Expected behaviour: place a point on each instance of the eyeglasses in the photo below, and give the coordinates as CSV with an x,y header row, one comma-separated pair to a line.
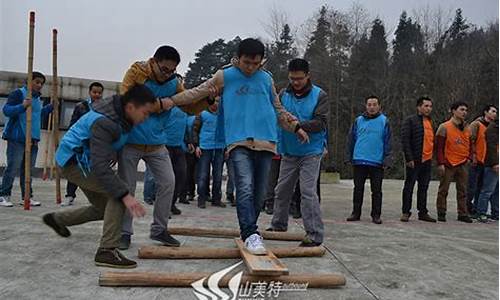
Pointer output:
x,y
165,70
296,78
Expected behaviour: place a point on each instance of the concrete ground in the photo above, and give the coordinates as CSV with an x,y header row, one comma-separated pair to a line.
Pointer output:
x,y
395,260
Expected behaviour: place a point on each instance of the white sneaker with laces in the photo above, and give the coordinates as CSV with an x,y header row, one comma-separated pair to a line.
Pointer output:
x,y
255,245
5,201
32,202
68,201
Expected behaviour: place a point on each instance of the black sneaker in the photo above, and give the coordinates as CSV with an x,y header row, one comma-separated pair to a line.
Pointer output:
x,y
376,220
166,239
183,200
441,217
275,229
190,197
124,242
465,219
309,243
175,210
112,258
202,205
61,230
353,218
218,204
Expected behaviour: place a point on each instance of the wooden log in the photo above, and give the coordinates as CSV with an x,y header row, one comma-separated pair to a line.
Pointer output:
x,y
261,265
232,233
153,279
45,174
55,102
27,132
161,252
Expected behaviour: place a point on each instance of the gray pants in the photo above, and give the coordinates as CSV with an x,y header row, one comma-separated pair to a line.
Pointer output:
x,y
158,162
292,168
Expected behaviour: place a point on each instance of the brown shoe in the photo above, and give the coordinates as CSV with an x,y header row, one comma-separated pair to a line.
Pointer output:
x,y
426,218
112,258
405,217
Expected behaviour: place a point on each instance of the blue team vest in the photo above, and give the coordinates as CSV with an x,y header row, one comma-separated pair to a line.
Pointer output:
x,y
175,127
208,139
369,146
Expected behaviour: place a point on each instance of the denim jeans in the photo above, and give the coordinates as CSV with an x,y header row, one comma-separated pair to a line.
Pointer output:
x,y
251,172
230,178
489,193
15,164
474,187
214,158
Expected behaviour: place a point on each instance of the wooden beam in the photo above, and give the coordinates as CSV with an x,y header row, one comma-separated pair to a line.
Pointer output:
x,y
261,265
161,252
153,279
232,233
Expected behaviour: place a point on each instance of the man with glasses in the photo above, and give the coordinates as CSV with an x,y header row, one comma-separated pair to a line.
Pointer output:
x,y
301,161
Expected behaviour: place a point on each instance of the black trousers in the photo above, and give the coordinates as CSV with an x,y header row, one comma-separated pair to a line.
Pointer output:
x,y
376,175
190,183
421,173
71,189
178,158
272,181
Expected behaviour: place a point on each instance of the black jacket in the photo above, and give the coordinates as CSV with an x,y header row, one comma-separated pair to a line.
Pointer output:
x,y
80,109
491,145
412,138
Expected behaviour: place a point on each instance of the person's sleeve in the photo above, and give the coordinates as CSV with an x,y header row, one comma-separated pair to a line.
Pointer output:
x,y
387,144
406,136
321,115
77,114
440,144
196,130
128,81
47,109
351,141
492,144
14,105
104,133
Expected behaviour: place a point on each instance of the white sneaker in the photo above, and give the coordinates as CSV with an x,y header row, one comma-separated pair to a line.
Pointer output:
x,y
255,245
68,201
32,202
5,201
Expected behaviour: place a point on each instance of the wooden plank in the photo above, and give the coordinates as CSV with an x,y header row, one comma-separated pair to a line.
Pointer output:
x,y
261,265
158,279
233,233
161,252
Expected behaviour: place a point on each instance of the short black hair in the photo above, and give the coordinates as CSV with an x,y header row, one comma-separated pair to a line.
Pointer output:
x,y
455,105
139,95
95,84
488,107
421,100
36,74
298,64
251,47
167,53
372,97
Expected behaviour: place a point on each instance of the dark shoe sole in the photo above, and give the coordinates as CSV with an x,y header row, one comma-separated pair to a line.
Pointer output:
x,y
49,220
108,265
166,243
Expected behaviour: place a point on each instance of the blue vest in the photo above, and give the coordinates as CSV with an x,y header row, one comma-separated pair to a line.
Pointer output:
x,y
303,109
152,131
76,142
36,116
369,146
247,107
175,127
208,138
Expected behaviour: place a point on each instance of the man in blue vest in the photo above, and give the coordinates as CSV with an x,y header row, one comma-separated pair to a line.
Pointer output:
x,y
85,157
247,121
369,152
299,161
147,141
95,94
14,133
210,152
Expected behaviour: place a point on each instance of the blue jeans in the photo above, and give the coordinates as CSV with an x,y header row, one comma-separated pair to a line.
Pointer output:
x,y
251,171
474,187
230,178
214,158
489,193
15,164
149,192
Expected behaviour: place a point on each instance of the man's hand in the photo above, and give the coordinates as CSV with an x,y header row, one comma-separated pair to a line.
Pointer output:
x,y
198,152
441,170
134,207
167,103
303,136
410,164
289,117
191,148
27,102
495,168
214,91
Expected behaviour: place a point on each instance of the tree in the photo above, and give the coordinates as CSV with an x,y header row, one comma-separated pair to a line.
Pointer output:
x,y
280,52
